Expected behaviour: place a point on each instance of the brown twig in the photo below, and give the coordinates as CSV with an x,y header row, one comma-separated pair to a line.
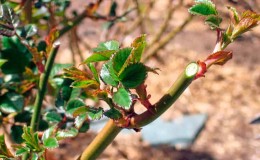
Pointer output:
x,y
165,40
165,23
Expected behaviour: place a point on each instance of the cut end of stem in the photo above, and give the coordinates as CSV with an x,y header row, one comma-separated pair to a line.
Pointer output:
x,y
191,70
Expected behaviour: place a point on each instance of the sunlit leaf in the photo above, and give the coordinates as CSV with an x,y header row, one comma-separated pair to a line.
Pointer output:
x,y
79,120
95,113
21,151
109,45
75,74
138,48
85,84
100,56
31,139
123,98
73,105
50,143
248,20
72,132
108,75
235,16
94,71
2,61
53,117
120,58
133,75
29,31
11,102
204,8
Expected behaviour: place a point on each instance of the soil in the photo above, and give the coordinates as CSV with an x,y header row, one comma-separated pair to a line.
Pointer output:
x,y
229,94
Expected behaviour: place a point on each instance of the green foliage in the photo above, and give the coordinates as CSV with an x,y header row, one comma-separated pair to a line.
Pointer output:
x,y
16,54
73,105
208,9
31,140
113,114
204,8
53,117
109,45
133,75
11,102
108,74
123,98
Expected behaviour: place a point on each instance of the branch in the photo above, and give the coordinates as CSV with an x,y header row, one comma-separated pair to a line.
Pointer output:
x,y
165,23
165,40
101,141
110,131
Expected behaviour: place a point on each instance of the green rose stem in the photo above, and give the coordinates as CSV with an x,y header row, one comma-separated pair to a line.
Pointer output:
x,y
110,131
41,90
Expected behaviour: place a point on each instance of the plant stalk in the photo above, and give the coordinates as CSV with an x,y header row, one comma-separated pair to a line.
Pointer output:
x,y
110,131
101,141
28,10
41,91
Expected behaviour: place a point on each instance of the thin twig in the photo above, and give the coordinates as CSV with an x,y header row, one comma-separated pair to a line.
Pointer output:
x,y
165,40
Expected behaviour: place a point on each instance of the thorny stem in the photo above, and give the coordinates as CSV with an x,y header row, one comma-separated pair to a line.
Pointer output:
x,y
101,141
42,87
110,131
41,91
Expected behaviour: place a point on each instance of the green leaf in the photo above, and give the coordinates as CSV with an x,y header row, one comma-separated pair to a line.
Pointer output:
x,y
4,151
138,48
95,113
120,58
57,68
73,105
48,133
64,93
100,56
204,8
94,71
35,156
235,16
113,114
31,139
108,75
109,45
21,151
133,75
123,98
2,61
85,84
84,128
79,120
50,143
16,54
53,117
213,21
16,134
72,132
8,20
11,102
29,31
80,110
